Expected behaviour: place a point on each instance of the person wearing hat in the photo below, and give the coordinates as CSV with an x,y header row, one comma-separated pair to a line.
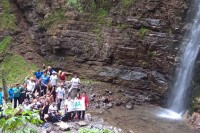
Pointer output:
x,y
17,94
60,94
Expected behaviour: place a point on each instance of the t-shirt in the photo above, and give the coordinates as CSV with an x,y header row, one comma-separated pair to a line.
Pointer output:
x,y
62,76
45,79
17,91
11,93
27,107
52,109
30,85
75,82
53,80
69,104
38,74
1,98
60,92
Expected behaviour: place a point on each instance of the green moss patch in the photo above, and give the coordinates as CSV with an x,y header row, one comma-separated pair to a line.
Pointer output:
x,y
16,68
5,43
7,20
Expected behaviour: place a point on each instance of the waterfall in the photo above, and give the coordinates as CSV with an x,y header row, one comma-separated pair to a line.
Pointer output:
x,y
190,48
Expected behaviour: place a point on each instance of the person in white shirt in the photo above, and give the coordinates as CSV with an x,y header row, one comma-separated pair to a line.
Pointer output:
x,y
30,86
69,109
52,113
60,94
75,85
53,79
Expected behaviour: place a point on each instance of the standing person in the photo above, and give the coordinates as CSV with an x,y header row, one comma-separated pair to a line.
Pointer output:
x,y
62,75
1,98
75,85
69,109
11,93
53,79
79,112
60,94
38,74
44,82
17,93
30,86
85,98
52,91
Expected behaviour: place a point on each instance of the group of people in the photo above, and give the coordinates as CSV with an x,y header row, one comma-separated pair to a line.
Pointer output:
x,y
46,92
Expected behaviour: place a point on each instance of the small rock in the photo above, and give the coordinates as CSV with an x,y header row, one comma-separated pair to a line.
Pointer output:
x,y
129,106
63,126
109,105
82,123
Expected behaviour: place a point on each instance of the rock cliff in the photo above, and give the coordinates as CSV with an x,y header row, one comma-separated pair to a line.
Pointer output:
x,y
134,46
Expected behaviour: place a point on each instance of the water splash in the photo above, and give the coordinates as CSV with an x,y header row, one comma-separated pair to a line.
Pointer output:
x,y
169,114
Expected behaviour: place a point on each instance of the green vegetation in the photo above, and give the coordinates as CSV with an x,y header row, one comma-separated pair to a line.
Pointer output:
x,y
143,32
7,18
122,26
127,3
18,121
53,18
4,43
153,53
16,68
76,4
82,130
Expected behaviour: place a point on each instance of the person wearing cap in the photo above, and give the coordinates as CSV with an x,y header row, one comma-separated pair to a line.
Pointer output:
x,y
17,93
44,82
60,94
53,79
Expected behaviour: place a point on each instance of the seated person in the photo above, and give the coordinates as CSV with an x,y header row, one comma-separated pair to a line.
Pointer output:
x,y
53,115
44,110
26,105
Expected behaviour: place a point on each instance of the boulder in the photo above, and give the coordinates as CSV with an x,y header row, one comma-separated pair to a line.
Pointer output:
x,y
63,126
129,106
82,123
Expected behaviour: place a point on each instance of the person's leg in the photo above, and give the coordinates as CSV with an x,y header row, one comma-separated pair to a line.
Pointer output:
x,y
73,115
45,90
15,102
79,115
83,114
20,100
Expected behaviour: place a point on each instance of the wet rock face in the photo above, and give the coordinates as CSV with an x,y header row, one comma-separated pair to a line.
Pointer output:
x,y
137,51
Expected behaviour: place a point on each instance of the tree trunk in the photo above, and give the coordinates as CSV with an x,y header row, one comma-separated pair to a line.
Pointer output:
x,y
5,91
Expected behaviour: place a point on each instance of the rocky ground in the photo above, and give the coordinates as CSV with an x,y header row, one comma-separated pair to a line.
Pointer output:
x,y
110,108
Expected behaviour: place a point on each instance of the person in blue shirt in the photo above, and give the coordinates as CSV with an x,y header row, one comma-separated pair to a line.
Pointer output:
x,y
1,98
11,93
17,94
44,82
38,74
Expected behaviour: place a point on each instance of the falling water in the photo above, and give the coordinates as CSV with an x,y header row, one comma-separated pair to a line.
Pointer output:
x,y
190,49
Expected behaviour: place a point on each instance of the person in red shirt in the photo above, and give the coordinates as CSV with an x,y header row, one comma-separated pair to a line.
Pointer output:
x,y
86,103
62,75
